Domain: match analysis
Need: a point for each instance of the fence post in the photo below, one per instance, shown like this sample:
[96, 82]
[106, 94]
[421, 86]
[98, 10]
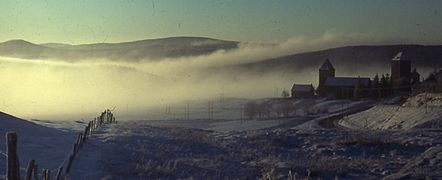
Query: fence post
[13, 167]
[43, 174]
[71, 158]
[74, 150]
[84, 135]
[78, 142]
[35, 171]
[29, 170]
[60, 169]
[89, 132]
[47, 174]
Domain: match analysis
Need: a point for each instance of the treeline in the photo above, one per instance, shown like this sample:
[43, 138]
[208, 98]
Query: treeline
[268, 109]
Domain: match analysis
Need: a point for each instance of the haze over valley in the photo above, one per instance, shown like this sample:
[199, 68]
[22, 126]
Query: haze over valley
[156, 73]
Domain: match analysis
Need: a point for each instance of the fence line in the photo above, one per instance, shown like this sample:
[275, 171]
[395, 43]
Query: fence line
[12, 162]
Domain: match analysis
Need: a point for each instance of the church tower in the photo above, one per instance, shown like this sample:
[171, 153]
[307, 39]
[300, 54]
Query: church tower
[327, 70]
[400, 72]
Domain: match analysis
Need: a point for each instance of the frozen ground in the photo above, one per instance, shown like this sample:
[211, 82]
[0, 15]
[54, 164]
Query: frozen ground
[421, 111]
[137, 150]
[313, 141]
[274, 148]
[47, 146]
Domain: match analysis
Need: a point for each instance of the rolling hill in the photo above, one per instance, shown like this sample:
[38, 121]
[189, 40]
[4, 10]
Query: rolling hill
[48, 146]
[135, 50]
[351, 60]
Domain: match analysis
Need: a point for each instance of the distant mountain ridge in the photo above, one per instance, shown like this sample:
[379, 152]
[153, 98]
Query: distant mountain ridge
[351, 59]
[134, 50]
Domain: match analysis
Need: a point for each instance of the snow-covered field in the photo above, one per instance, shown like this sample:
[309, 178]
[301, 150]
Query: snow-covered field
[49, 147]
[421, 111]
[230, 146]
[137, 150]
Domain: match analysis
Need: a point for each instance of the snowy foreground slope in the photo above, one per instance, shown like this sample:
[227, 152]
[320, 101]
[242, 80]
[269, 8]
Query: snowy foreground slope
[275, 148]
[421, 111]
[308, 143]
[137, 150]
[47, 146]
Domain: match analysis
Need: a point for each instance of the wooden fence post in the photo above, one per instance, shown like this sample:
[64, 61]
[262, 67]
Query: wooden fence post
[29, 170]
[13, 167]
[86, 129]
[60, 169]
[48, 174]
[35, 171]
[74, 150]
[77, 143]
[45, 174]
[71, 158]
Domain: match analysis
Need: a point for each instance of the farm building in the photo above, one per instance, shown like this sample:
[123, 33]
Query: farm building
[303, 91]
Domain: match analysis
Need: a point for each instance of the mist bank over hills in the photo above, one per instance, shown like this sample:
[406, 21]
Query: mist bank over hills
[152, 49]
[351, 60]
[212, 57]
[103, 75]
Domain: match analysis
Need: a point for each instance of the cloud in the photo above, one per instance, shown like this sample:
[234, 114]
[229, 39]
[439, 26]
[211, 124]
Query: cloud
[62, 89]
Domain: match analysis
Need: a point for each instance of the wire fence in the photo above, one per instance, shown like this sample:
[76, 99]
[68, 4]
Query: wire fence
[62, 171]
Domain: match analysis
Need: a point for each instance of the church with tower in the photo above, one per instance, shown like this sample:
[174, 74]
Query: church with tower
[340, 87]
[330, 86]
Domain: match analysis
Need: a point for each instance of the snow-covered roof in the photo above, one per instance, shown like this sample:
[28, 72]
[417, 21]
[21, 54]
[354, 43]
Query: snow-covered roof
[400, 57]
[302, 87]
[327, 65]
[346, 81]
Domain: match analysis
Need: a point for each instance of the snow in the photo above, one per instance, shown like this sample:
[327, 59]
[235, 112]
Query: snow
[137, 150]
[49, 147]
[398, 57]
[332, 109]
[230, 147]
[227, 126]
[412, 114]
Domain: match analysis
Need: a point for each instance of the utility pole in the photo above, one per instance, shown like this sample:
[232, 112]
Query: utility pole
[221, 99]
[187, 111]
[242, 113]
[210, 110]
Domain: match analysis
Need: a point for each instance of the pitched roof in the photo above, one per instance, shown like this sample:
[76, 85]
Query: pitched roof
[346, 81]
[397, 57]
[327, 65]
[400, 57]
[302, 87]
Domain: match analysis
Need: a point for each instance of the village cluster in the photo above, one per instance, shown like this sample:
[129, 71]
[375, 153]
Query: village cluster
[402, 80]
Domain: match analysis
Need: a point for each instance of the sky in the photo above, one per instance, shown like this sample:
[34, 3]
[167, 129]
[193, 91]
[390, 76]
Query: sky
[84, 21]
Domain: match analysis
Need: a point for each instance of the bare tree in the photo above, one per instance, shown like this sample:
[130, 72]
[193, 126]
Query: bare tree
[251, 109]
[285, 94]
